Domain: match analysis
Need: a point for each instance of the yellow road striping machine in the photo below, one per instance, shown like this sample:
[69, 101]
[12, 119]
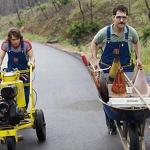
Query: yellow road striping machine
[13, 114]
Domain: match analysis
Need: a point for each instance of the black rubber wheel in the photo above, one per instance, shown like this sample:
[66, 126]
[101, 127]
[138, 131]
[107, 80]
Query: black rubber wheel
[134, 142]
[11, 143]
[40, 125]
[103, 89]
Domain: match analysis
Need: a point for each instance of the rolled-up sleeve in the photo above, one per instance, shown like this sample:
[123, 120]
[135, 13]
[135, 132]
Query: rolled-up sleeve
[28, 46]
[135, 37]
[99, 37]
[4, 46]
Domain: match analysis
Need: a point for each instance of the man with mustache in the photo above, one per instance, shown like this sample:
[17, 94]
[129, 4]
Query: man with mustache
[121, 37]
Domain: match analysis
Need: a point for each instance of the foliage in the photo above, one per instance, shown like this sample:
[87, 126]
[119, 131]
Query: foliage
[20, 23]
[145, 34]
[79, 29]
[65, 2]
[35, 37]
[146, 59]
[41, 7]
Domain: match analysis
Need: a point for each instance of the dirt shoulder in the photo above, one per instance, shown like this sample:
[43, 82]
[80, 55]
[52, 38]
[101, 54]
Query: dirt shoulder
[72, 49]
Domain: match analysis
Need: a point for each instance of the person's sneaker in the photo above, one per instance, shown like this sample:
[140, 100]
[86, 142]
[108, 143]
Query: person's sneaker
[112, 131]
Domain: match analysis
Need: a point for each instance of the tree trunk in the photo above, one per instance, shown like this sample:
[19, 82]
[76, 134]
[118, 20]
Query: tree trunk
[129, 6]
[56, 5]
[148, 8]
[17, 11]
[30, 6]
[91, 10]
[81, 10]
[43, 12]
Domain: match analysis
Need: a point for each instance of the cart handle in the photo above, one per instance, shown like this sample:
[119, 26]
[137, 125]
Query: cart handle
[98, 70]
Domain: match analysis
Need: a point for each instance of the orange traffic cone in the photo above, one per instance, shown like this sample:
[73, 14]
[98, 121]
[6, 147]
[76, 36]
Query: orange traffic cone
[119, 85]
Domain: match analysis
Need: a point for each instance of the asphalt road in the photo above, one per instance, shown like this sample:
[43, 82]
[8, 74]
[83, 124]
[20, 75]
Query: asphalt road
[73, 113]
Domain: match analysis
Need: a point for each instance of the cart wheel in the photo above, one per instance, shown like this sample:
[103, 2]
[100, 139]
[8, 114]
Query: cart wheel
[103, 89]
[40, 125]
[125, 129]
[133, 137]
[11, 143]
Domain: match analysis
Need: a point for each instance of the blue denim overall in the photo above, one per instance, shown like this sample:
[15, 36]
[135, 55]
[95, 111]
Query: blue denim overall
[107, 60]
[18, 60]
[109, 55]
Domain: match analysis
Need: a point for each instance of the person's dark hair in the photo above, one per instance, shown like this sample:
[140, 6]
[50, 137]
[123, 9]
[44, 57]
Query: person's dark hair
[121, 8]
[14, 32]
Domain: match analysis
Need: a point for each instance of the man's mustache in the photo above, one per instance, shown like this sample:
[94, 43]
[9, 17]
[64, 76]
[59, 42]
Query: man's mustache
[121, 23]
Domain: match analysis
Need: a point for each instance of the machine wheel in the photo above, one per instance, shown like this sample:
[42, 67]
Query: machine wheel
[40, 125]
[11, 143]
[133, 137]
[103, 89]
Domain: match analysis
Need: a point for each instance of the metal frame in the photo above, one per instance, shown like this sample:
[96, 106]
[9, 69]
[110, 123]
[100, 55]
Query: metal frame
[121, 130]
[26, 123]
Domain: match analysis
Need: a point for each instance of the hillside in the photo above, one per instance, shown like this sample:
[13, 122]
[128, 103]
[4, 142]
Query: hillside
[64, 21]
[75, 22]
[10, 6]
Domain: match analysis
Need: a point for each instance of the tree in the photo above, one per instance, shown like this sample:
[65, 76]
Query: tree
[30, 6]
[56, 5]
[17, 11]
[82, 12]
[42, 9]
[129, 6]
[148, 8]
[91, 10]
[90, 7]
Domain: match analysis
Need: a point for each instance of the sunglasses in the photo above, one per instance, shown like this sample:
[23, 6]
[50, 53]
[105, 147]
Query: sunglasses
[121, 17]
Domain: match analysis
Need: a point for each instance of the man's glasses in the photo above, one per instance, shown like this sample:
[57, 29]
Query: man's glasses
[121, 17]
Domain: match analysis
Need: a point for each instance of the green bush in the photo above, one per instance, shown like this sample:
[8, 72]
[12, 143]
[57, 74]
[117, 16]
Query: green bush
[41, 7]
[145, 34]
[92, 27]
[20, 23]
[64, 2]
[76, 29]
[80, 29]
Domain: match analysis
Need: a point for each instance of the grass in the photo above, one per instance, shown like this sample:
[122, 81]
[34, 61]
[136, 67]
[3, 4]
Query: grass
[35, 37]
[146, 59]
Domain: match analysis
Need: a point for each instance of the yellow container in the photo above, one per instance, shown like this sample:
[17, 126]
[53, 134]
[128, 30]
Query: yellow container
[12, 78]
[114, 69]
